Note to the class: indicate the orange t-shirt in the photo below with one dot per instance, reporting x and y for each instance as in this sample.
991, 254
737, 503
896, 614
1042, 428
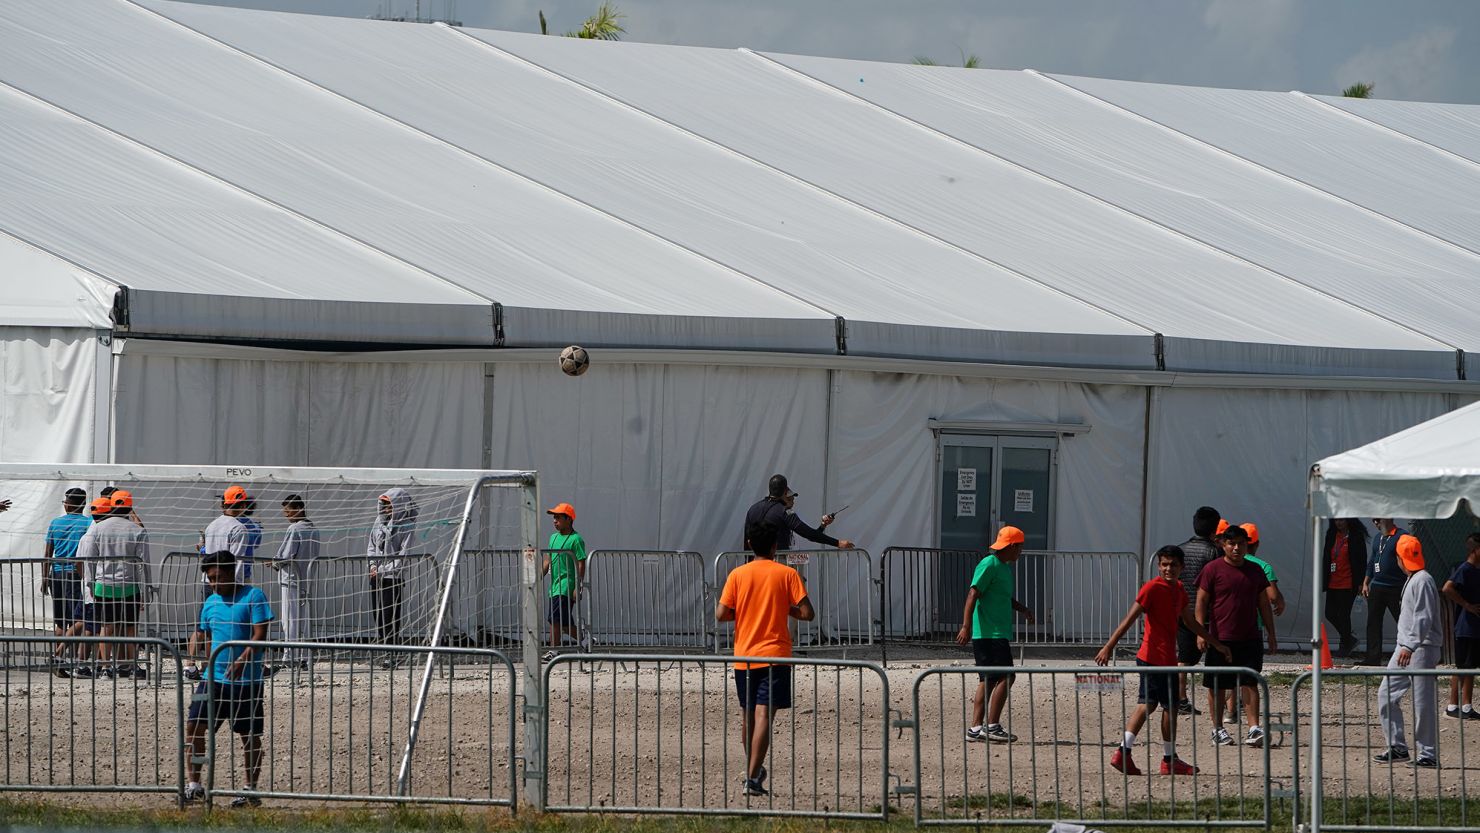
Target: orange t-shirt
762, 593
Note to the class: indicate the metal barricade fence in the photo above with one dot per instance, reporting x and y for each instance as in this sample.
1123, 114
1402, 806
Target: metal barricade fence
843, 587
647, 598
1355, 726
489, 603
1077, 597
340, 731
71, 727
661, 733
25, 610
1067, 722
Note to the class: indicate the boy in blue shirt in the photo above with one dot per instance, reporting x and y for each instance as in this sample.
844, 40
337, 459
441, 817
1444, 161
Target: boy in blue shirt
1463, 591
233, 612
60, 578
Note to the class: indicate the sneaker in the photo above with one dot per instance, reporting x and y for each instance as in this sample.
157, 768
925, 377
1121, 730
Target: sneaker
190, 672
387, 663
1230, 720
976, 736
1120, 761
548, 657
1395, 755
1426, 763
1185, 707
1221, 737
194, 792
59, 669
108, 673
1469, 715
762, 776
1451, 711
753, 786
997, 734
1177, 766
82, 672
242, 801
1255, 737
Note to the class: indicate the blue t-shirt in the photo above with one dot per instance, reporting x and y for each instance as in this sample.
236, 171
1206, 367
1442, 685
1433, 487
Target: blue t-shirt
254, 540
63, 535
1466, 578
232, 619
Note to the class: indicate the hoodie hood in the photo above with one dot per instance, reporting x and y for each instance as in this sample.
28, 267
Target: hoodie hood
403, 508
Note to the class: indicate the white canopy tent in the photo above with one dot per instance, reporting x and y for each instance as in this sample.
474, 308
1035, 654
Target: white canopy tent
1427, 471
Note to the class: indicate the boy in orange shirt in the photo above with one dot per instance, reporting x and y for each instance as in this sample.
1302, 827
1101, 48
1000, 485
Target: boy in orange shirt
759, 597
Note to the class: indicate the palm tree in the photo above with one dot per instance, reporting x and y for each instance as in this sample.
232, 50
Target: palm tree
605, 24
1361, 89
967, 61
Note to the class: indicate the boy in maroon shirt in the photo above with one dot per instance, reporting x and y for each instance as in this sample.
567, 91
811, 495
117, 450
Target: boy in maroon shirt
1164, 603
1230, 593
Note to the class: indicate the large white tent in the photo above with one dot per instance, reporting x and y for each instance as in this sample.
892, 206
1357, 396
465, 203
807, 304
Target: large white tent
236, 236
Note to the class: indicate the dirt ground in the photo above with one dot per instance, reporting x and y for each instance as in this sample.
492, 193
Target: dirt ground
627, 734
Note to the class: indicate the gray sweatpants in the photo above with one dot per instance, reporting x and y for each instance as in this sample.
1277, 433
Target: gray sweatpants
1425, 714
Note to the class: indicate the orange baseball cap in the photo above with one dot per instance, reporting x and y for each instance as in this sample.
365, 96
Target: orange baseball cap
562, 509
1007, 536
1253, 532
1410, 553
233, 495
102, 506
123, 498
1222, 527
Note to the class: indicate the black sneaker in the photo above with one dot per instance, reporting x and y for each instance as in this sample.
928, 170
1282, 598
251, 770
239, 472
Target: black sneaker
82, 672
1185, 707
242, 801
1426, 763
1451, 711
1392, 756
59, 668
1469, 715
753, 786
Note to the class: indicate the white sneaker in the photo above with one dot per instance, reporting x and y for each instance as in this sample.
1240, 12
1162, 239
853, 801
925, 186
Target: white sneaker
1221, 737
548, 656
1255, 737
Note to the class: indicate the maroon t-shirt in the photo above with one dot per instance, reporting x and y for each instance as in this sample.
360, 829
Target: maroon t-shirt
1235, 592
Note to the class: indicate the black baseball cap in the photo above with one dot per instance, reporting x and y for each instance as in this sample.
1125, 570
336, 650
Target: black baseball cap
219, 558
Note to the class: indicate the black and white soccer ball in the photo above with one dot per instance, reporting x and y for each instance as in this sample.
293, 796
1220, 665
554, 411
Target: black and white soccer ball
574, 360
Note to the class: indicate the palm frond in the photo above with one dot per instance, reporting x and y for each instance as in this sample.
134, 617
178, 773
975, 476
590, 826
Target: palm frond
606, 24
544, 28
923, 61
972, 62
1361, 89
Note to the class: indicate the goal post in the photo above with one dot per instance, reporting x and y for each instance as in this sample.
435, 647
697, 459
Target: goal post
381, 571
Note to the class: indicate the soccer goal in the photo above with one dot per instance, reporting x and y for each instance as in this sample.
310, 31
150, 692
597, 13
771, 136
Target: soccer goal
367, 556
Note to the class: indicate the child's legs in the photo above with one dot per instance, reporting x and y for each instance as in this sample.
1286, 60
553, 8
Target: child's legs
999, 699
1138, 717
1251, 704
195, 739
1168, 726
252, 752
760, 739
979, 703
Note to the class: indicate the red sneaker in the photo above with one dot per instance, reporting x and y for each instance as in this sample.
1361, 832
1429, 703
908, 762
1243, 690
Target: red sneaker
1177, 766
1121, 761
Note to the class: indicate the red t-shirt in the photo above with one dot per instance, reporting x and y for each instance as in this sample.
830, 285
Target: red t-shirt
1341, 565
1235, 592
1163, 602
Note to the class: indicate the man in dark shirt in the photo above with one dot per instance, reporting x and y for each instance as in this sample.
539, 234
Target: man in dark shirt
775, 509
1383, 586
1197, 552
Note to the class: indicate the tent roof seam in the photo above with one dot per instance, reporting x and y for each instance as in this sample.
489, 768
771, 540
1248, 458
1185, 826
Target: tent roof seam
1377, 125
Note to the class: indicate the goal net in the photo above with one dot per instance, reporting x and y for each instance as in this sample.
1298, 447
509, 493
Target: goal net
344, 555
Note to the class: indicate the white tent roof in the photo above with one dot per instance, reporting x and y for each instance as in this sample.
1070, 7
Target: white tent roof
264, 176
1422, 472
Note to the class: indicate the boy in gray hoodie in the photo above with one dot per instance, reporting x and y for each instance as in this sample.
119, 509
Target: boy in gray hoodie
390, 543
1420, 638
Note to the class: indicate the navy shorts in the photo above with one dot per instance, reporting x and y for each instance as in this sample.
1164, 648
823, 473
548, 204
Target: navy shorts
124, 612
559, 612
992, 653
1467, 652
1157, 689
241, 703
1247, 653
66, 596
87, 614
767, 686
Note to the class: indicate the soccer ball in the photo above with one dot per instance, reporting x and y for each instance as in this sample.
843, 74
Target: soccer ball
574, 360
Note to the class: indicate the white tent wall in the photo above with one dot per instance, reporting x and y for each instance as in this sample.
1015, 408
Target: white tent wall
1247, 453
884, 456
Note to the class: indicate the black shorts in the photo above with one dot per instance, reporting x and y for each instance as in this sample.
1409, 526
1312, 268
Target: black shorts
1187, 652
1157, 689
87, 614
992, 653
241, 703
1467, 652
559, 612
767, 686
123, 612
1247, 653
66, 596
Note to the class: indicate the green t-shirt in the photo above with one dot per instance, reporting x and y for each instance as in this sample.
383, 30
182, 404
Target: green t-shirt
1268, 576
993, 582
565, 551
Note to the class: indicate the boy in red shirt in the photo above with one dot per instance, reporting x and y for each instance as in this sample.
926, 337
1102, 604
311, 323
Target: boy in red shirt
1163, 602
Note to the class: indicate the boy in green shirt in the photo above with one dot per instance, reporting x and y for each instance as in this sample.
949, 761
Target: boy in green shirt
988, 626
566, 565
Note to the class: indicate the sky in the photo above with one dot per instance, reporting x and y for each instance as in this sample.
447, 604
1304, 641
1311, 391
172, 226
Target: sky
1426, 50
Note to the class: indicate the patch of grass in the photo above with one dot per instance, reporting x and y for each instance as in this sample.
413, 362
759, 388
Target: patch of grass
1017, 805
